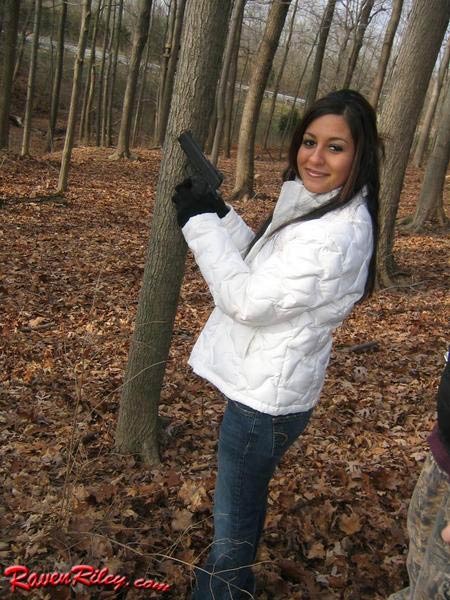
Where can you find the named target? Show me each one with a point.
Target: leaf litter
(69, 286)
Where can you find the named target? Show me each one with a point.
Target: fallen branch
(360, 347)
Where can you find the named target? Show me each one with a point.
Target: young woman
(278, 297)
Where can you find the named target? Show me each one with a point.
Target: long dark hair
(362, 122)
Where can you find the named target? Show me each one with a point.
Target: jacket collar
(295, 201)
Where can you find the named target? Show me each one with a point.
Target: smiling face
(326, 154)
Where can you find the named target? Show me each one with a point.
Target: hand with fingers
(194, 197)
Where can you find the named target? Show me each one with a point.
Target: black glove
(194, 197)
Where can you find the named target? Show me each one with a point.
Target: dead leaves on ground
(69, 289)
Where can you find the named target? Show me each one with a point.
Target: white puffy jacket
(268, 341)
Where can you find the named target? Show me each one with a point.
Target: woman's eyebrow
(331, 139)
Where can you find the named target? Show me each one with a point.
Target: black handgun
(204, 168)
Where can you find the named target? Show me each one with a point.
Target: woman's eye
(308, 143)
(335, 148)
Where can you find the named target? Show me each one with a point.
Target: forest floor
(69, 285)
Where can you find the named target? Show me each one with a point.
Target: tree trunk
(430, 203)
(23, 38)
(140, 37)
(170, 75)
(279, 76)
(138, 111)
(112, 86)
(386, 50)
(101, 77)
(297, 92)
(164, 63)
(230, 98)
(107, 81)
(11, 18)
(57, 78)
(343, 49)
(235, 24)
(76, 83)
(243, 186)
(431, 108)
(25, 150)
(89, 90)
(363, 21)
(416, 58)
(202, 46)
(318, 59)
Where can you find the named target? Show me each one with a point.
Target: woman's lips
(312, 173)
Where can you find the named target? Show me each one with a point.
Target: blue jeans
(251, 445)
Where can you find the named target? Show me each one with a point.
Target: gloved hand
(193, 197)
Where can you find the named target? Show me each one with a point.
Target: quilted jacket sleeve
(323, 266)
(239, 231)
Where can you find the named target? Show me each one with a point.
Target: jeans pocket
(243, 408)
(286, 429)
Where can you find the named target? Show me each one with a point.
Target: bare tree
(243, 186)
(388, 41)
(202, 46)
(431, 107)
(235, 24)
(416, 58)
(361, 27)
(31, 79)
(230, 95)
(101, 77)
(89, 89)
(22, 39)
(279, 76)
(112, 86)
(11, 17)
(430, 203)
(76, 83)
(318, 59)
(57, 77)
(290, 119)
(139, 107)
(140, 37)
(166, 92)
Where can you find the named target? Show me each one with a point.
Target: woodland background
(73, 264)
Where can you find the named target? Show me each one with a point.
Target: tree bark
(164, 62)
(363, 21)
(170, 75)
(23, 38)
(235, 24)
(416, 58)
(57, 78)
(140, 37)
(202, 46)
(318, 59)
(107, 81)
(297, 92)
(76, 83)
(11, 17)
(431, 108)
(243, 186)
(25, 150)
(112, 86)
(139, 108)
(386, 50)
(89, 90)
(101, 77)
(230, 97)
(279, 76)
(430, 203)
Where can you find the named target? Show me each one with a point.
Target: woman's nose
(317, 156)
